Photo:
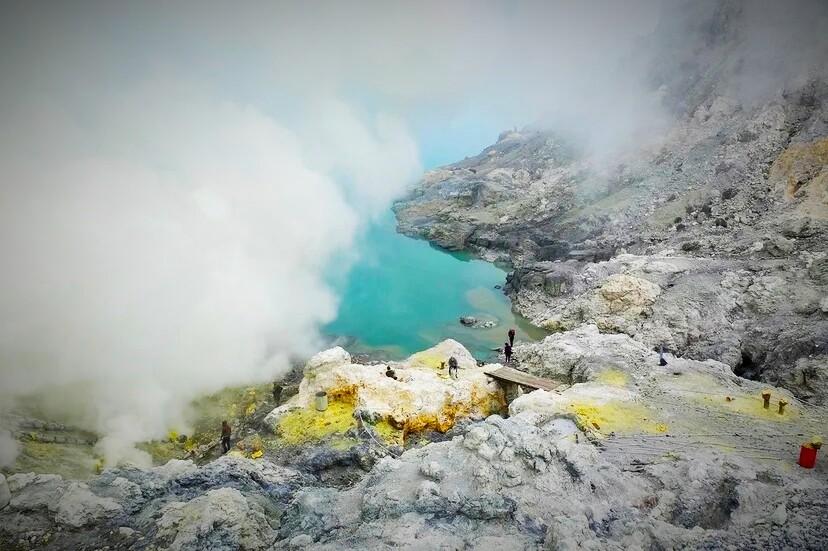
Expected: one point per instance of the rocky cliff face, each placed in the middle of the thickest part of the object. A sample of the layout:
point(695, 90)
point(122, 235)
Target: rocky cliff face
point(627, 454)
point(711, 239)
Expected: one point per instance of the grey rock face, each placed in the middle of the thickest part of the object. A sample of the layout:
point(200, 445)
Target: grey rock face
point(727, 214)
point(225, 504)
point(78, 506)
point(126, 532)
point(224, 515)
point(762, 320)
point(301, 541)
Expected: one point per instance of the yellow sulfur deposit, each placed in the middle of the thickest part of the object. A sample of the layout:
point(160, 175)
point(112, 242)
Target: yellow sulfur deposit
point(307, 424)
point(389, 434)
point(710, 393)
point(612, 377)
point(257, 454)
point(442, 421)
point(419, 423)
point(621, 417)
point(428, 359)
point(420, 398)
point(347, 394)
point(256, 444)
point(750, 405)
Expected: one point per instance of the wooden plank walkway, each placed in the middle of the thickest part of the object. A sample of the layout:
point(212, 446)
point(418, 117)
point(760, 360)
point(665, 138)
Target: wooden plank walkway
point(509, 375)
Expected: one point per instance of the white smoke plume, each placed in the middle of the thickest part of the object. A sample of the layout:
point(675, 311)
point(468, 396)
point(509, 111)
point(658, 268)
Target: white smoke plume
point(9, 448)
point(186, 256)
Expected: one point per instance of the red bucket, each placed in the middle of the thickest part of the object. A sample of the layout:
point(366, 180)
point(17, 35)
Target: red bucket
point(807, 457)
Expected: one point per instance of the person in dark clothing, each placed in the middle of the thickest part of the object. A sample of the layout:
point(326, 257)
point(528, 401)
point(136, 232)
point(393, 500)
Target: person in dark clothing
point(390, 373)
point(453, 367)
point(277, 393)
point(507, 351)
point(661, 360)
point(225, 437)
point(512, 336)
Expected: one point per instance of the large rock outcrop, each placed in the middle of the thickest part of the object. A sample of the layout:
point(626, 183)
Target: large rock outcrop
point(420, 396)
point(713, 245)
point(178, 506)
point(725, 210)
point(223, 514)
point(764, 322)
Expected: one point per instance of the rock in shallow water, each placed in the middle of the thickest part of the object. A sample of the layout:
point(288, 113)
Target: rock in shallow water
point(475, 323)
point(468, 321)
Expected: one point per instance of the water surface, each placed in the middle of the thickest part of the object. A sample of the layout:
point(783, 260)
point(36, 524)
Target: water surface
point(404, 295)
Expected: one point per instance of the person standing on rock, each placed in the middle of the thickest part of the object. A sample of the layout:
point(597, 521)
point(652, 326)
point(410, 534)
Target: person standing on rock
point(511, 336)
point(453, 367)
point(277, 393)
point(225, 437)
point(661, 361)
point(507, 351)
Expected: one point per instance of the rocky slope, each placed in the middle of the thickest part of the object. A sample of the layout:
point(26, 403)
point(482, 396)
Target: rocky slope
point(631, 455)
point(711, 239)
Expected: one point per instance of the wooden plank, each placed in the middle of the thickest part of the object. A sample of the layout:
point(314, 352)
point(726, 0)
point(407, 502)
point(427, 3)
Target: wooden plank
point(521, 378)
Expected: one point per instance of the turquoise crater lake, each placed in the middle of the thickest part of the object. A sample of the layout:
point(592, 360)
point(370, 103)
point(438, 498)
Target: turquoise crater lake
point(403, 296)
